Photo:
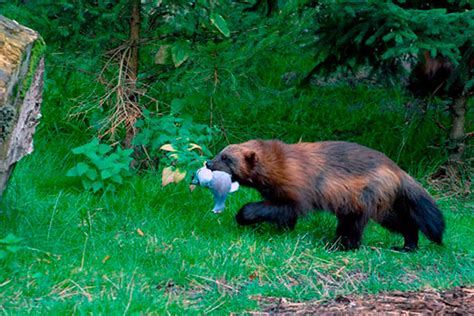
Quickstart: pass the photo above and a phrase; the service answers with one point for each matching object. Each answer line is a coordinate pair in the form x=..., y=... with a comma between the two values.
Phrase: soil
x=456, y=301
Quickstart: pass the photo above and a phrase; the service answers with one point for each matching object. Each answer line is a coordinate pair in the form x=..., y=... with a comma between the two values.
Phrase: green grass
x=83, y=253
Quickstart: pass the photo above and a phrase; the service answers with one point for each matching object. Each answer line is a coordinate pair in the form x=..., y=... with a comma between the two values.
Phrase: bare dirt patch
x=456, y=301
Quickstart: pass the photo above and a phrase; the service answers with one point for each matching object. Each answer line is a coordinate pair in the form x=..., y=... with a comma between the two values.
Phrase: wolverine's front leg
x=283, y=215
x=349, y=230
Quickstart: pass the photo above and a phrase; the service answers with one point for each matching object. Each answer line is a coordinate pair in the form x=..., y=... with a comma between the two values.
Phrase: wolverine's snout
x=217, y=164
x=209, y=164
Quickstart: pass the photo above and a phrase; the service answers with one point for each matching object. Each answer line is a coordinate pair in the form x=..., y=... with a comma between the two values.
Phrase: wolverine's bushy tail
x=423, y=210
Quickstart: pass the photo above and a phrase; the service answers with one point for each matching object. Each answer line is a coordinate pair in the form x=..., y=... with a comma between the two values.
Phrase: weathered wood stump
x=21, y=86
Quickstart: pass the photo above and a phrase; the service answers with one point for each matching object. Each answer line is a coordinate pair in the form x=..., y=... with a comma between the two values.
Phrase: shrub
x=104, y=169
x=177, y=143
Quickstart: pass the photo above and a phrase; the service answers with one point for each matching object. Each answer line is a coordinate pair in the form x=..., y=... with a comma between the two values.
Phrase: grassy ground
x=154, y=249
x=150, y=249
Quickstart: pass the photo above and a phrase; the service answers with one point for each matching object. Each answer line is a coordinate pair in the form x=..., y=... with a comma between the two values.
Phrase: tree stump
x=21, y=87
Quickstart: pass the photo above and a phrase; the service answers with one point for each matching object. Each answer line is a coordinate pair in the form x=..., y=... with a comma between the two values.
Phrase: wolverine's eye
x=225, y=158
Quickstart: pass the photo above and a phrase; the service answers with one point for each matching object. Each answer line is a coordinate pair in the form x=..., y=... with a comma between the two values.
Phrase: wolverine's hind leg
x=349, y=230
x=284, y=216
x=400, y=221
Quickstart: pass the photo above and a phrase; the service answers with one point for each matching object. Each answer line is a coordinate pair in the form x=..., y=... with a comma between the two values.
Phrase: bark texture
x=21, y=86
x=457, y=133
x=133, y=59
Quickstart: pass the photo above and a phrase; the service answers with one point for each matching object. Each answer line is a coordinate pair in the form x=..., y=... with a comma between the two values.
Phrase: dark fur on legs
x=400, y=221
x=349, y=230
x=414, y=211
x=284, y=216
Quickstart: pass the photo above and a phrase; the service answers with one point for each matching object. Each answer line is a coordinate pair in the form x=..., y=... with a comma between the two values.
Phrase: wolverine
x=354, y=182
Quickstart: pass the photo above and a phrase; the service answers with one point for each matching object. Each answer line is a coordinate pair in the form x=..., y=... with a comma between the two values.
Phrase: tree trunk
x=134, y=41
x=21, y=87
x=457, y=133
x=132, y=70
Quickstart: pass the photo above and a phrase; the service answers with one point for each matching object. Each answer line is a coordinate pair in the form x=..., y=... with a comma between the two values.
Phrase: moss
x=15, y=90
x=37, y=52
x=7, y=117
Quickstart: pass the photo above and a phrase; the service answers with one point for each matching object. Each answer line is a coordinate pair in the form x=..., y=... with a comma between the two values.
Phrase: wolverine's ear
x=251, y=157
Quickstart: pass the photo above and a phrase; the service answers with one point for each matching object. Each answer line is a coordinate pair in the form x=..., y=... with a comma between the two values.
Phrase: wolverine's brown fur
x=352, y=181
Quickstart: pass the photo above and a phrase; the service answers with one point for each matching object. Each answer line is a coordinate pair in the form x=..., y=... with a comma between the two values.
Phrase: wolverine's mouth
x=216, y=165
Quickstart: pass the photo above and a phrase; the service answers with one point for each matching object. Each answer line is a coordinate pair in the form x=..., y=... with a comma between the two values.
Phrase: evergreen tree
x=391, y=37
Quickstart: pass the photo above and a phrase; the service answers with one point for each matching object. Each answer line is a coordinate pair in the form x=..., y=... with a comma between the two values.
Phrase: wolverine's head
x=238, y=160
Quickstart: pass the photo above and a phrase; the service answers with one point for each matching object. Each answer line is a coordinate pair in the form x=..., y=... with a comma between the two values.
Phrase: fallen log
x=21, y=87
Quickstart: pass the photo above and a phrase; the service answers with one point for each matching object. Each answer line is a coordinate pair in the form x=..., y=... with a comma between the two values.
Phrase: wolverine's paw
x=287, y=222
x=404, y=249
x=349, y=247
x=344, y=244
x=287, y=225
x=249, y=214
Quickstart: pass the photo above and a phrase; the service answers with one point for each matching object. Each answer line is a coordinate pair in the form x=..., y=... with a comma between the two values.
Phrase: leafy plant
x=104, y=169
x=177, y=142
x=219, y=22
x=9, y=245
x=9, y=248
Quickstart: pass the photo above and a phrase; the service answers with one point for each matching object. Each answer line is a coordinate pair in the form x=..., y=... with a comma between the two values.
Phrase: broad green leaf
x=103, y=149
x=156, y=143
x=127, y=152
x=10, y=239
x=87, y=184
x=105, y=174
x=97, y=185
x=108, y=161
x=72, y=172
x=371, y=40
x=218, y=21
x=388, y=36
x=92, y=155
x=179, y=53
x=102, y=164
x=140, y=139
x=112, y=158
x=91, y=174
x=78, y=150
x=82, y=168
x=398, y=39
x=176, y=106
x=86, y=148
x=388, y=54
x=140, y=124
x=117, y=178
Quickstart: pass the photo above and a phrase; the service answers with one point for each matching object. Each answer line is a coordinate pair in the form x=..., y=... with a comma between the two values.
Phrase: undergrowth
x=148, y=248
